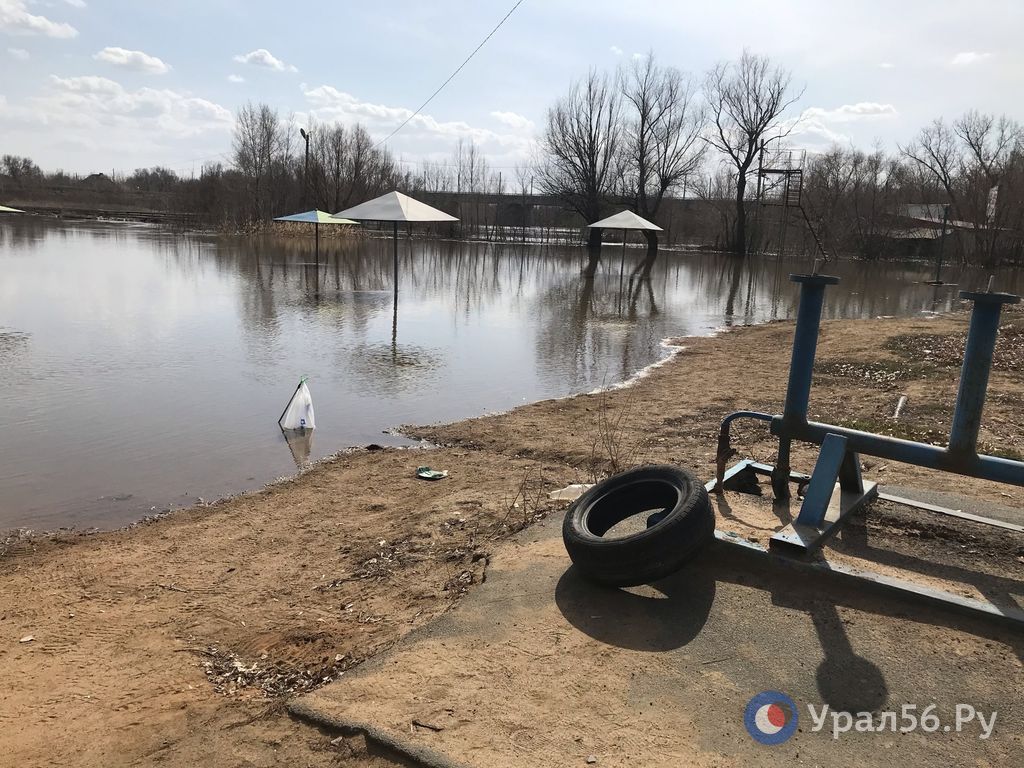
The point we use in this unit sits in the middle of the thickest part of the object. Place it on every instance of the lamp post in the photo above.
(305, 169)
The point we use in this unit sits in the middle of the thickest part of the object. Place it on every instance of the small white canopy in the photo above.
(394, 206)
(315, 217)
(626, 220)
(5, 209)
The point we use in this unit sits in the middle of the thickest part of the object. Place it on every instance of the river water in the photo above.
(142, 370)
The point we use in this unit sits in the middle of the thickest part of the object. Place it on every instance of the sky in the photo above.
(114, 85)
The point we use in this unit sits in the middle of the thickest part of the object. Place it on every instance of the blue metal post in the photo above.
(805, 345)
(823, 481)
(981, 343)
(801, 369)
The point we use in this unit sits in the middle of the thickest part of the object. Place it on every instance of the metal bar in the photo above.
(981, 344)
(823, 481)
(396, 262)
(805, 344)
(908, 452)
(860, 579)
(802, 538)
(801, 368)
(958, 513)
(850, 476)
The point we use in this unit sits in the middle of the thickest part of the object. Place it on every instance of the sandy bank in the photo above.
(162, 641)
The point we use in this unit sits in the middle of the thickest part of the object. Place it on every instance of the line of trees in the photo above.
(633, 138)
(681, 150)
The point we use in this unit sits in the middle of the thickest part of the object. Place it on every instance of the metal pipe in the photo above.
(908, 452)
(725, 449)
(805, 344)
(981, 344)
(395, 238)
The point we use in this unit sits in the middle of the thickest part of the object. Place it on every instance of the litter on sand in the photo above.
(570, 492)
(426, 473)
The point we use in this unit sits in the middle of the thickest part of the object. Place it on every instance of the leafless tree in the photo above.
(580, 142)
(969, 159)
(990, 142)
(257, 145)
(746, 100)
(662, 134)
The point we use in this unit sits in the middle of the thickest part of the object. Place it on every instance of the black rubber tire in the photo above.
(671, 539)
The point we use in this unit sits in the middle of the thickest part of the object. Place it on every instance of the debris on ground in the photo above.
(230, 675)
(426, 473)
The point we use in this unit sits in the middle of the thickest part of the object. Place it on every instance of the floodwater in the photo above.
(142, 370)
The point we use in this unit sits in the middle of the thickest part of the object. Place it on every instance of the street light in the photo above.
(305, 169)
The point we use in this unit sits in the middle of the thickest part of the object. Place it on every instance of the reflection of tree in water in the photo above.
(590, 319)
(393, 368)
(25, 232)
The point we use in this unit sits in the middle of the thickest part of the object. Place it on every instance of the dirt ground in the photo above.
(659, 675)
(176, 642)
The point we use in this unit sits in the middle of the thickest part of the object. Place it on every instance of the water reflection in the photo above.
(145, 366)
(300, 444)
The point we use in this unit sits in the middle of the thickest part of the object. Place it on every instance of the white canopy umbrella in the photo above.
(394, 207)
(5, 209)
(624, 221)
(316, 218)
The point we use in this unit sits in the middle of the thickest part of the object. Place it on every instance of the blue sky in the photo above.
(110, 84)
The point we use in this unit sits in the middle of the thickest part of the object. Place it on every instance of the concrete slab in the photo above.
(539, 668)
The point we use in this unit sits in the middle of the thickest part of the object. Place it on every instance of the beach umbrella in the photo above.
(396, 208)
(625, 221)
(5, 209)
(316, 218)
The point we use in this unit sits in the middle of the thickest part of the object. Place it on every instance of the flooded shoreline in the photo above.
(144, 371)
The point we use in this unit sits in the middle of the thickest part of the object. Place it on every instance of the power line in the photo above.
(450, 77)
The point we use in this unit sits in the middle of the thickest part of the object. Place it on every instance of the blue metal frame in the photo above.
(841, 446)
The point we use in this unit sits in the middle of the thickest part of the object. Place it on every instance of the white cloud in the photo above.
(16, 20)
(864, 110)
(18, 53)
(103, 107)
(261, 57)
(424, 135)
(133, 60)
(887, 65)
(513, 120)
(616, 50)
(236, 79)
(817, 128)
(76, 3)
(966, 58)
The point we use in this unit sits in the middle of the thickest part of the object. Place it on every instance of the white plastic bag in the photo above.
(299, 413)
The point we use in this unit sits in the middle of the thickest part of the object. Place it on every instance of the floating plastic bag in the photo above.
(299, 413)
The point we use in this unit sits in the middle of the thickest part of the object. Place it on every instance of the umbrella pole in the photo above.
(316, 229)
(396, 263)
(622, 261)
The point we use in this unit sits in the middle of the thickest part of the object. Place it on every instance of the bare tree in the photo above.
(580, 144)
(746, 100)
(937, 152)
(662, 134)
(968, 160)
(990, 142)
(257, 144)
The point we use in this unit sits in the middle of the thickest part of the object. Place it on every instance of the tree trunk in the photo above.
(652, 244)
(740, 245)
(594, 238)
